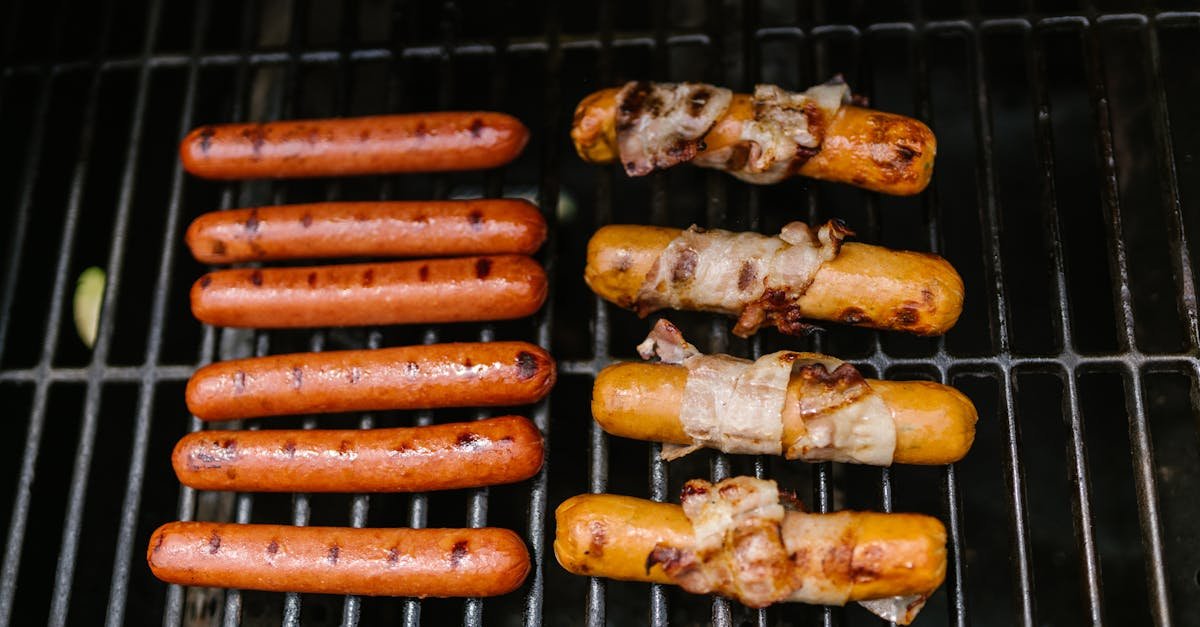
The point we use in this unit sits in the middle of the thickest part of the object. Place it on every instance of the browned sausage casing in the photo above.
(381, 144)
(408, 377)
(426, 228)
(463, 289)
(417, 459)
(336, 560)
(875, 150)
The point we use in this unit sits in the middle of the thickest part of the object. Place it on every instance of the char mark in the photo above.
(527, 365)
(685, 266)
(458, 553)
(483, 268)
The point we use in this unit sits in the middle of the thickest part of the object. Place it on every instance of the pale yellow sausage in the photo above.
(935, 424)
(864, 285)
(605, 535)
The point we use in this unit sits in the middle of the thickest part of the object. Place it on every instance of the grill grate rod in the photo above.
(131, 503)
(1139, 436)
(20, 512)
(115, 265)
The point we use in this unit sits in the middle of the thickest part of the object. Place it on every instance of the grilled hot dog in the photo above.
(409, 377)
(934, 423)
(879, 151)
(335, 560)
(430, 228)
(461, 289)
(417, 459)
(382, 144)
(858, 284)
(752, 549)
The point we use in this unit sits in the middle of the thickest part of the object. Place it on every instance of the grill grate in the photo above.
(1067, 137)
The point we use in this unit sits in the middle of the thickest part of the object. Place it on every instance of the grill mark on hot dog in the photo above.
(458, 553)
(256, 278)
(476, 127)
(255, 136)
(239, 381)
(483, 268)
(206, 135)
(312, 279)
(306, 220)
(205, 281)
(469, 440)
(476, 220)
(527, 366)
(289, 447)
(412, 368)
(368, 277)
(333, 554)
(273, 547)
(907, 315)
(355, 374)
(218, 248)
(252, 221)
(214, 543)
(423, 273)
(297, 378)
(393, 556)
(853, 315)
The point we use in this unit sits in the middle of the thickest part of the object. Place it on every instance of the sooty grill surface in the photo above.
(1066, 193)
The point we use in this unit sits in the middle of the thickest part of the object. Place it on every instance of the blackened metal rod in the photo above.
(131, 503)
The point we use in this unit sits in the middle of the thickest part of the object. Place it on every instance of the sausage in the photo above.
(878, 151)
(381, 144)
(607, 535)
(935, 423)
(426, 228)
(461, 289)
(451, 456)
(408, 377)
(337, 560)
(863, 285)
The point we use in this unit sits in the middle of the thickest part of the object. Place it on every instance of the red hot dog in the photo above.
(368, 229)
(382, 144)
(418, 459)
(335, 560)
(462, 289)
(408, 377)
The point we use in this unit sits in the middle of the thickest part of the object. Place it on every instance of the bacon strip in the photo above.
(737, 405)
(747, 547)
(756, 277)
(663, 124)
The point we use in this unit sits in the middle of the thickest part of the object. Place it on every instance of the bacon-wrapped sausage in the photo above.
(762, 137)
(801, 405)
(800, 274)
(740, 539)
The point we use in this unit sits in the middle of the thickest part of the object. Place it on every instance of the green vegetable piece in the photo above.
(89, 295)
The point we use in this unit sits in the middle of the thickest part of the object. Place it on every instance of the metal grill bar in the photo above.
(625, 39)
(91, 410)
(154, 339)
(731, 39)
(20, 511)
(1138, 430)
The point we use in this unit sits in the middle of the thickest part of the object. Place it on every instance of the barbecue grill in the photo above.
(1066, 194)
